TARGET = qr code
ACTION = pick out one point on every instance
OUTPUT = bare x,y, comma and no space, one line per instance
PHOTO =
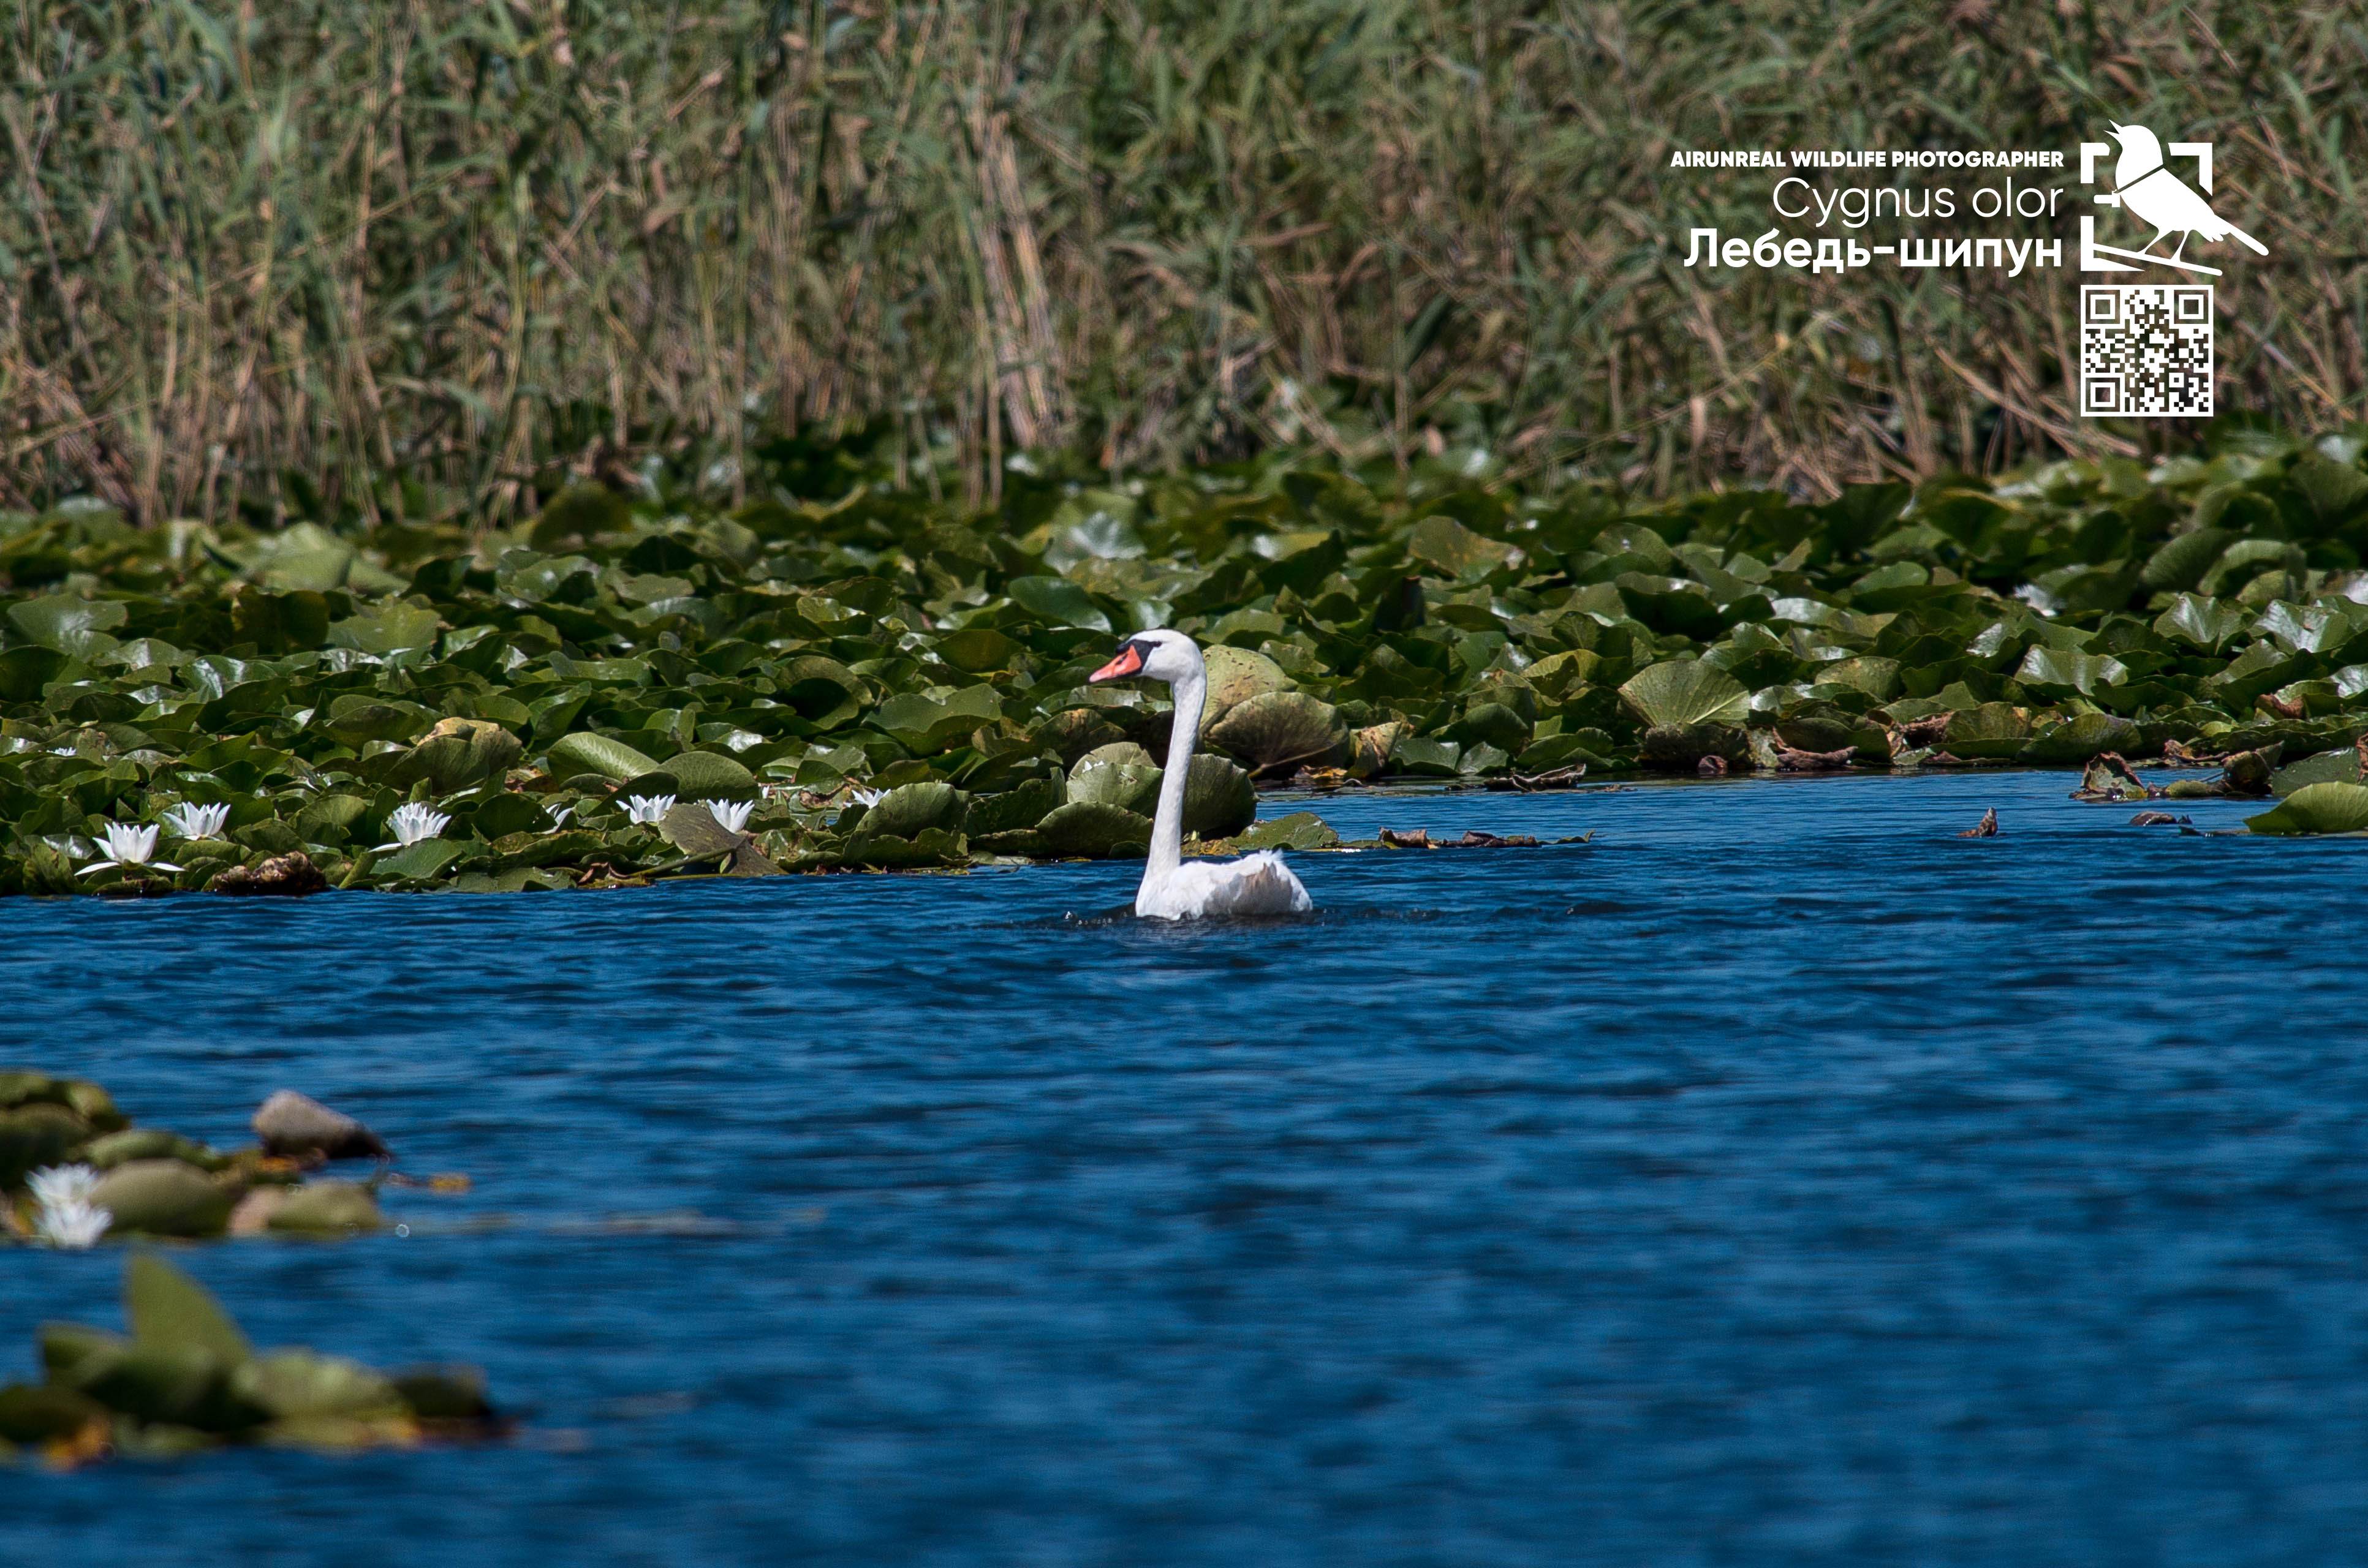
2145,348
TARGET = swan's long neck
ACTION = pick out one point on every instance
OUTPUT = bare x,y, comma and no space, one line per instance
1168,827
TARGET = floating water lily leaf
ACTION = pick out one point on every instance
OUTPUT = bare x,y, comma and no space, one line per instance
1686,691
2328,767
1219,799
417,862
293,1384
585,752
1280,730
1023,806
1427,758
692,828
1237,674
455,754
1992,730
931,846
68,624
2062,672
910,810
327,1207
1455,550
281,623
1879,678
389,628
927,725
979,650
25,671
823,693
1682,747
356,719
711,776
1057,602
1090,831
33,1136
2315,808
170,1311
2180,565
1372,747
1299,830
1121,774
2079,738
535,848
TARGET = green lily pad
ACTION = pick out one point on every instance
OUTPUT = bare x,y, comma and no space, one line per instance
170,1311
1237,674
585,752
163,1198
1084,830
1280,731
327,1207
910,810
1679,693
1297,830
2327,768
2079,738
394,628
707,775
33,1136
2316,808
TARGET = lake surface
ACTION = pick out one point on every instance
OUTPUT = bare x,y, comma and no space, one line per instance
1776,1178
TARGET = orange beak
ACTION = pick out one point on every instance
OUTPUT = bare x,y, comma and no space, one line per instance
1129,662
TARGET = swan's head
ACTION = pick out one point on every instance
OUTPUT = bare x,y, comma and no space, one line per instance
1161,655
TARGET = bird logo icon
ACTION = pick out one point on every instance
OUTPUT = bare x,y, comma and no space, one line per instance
2145,187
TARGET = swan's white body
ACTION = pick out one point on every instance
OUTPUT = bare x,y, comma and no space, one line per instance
1172,888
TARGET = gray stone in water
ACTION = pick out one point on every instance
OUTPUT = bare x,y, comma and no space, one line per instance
290,1123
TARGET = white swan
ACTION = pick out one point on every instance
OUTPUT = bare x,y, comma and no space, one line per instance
1172,888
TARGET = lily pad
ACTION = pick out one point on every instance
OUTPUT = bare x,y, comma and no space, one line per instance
1279,730
1297,830
2316,808
163,1198
587,753
1237,674
910,810
1680,693
1084,830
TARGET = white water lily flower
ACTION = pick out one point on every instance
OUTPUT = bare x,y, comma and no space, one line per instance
64,1215
647,808
412,822
190,820
128,845
63,1184
732,814
71,1225
559,815
866,798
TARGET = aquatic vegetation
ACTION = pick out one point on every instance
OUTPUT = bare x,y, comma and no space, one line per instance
185,1378
190,820
127,848
863,677
64,1215
75,1170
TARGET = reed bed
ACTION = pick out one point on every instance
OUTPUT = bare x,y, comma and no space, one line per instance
353,258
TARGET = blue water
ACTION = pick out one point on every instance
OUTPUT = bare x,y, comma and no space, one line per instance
1777,1179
